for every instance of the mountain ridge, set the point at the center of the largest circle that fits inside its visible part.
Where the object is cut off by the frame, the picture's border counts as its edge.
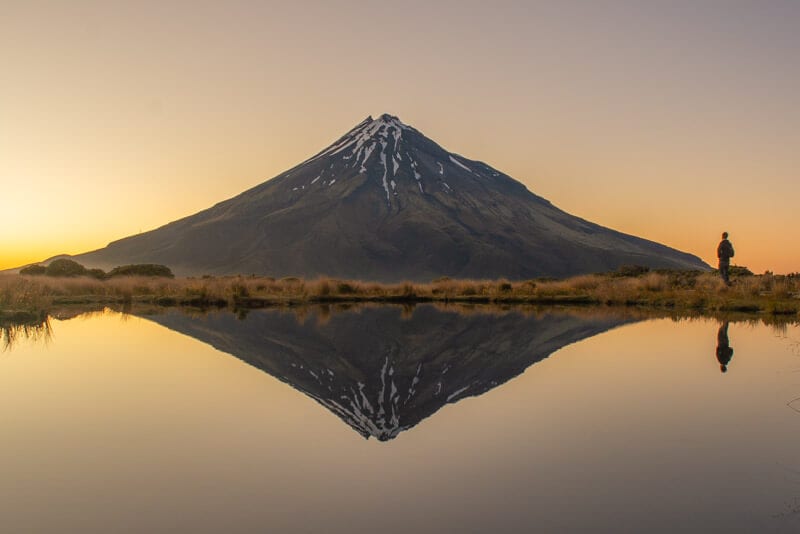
(386, 203)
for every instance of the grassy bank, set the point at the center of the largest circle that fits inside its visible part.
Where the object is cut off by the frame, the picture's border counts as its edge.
(663, 290)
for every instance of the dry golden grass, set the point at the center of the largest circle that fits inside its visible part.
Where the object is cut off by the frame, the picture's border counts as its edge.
(700, 291)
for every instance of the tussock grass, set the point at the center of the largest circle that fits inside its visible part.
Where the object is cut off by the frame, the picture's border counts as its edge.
(664, 290)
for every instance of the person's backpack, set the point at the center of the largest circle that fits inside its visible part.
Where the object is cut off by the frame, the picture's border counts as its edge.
(725, 249)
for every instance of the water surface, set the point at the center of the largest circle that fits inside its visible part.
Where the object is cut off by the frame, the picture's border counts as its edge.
(381, 418)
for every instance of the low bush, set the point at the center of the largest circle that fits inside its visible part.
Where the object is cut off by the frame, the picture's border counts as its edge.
(33, 270)
(345, 288)
(142, 269)
(97, 274)
(239, 290)
(323, 288)
(65, 267)
(631, 271)
(408, 290)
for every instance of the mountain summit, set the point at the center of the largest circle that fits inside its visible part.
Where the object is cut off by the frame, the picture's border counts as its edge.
(386, 203)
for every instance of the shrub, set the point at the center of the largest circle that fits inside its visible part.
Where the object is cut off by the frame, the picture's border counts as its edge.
(64, 267)
(469, 290)
(582, 283)
(324, 288)
(344, 288)
(653, 282)
(631, 270)
(33, 270)
(239, 290)
(740, 270)
(408, 290)
(680, 279)
(99, 274)
(142, 269)
(529, 285)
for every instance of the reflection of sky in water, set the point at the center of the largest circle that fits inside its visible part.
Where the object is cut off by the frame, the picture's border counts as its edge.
(124, 423)
(383, 369)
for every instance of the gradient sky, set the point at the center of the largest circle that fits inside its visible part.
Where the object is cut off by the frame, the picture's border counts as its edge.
(669, 120)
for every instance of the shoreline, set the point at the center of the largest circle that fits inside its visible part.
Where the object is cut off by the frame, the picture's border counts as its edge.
(692, 292)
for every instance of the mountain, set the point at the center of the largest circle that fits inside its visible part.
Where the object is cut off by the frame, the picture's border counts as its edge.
(386, 203)
(382, 371)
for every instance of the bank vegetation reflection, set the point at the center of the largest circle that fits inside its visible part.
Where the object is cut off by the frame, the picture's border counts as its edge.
(383, 368)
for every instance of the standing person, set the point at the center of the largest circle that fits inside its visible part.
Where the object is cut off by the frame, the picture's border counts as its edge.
(725, 253)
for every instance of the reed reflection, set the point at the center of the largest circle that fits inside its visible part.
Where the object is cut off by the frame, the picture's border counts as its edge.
(34, 329)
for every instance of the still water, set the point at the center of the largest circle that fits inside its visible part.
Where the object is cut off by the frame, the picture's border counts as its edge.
(384, 419)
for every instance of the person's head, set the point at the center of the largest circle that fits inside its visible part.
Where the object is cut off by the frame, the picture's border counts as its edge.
(723, 368)
(724, 235)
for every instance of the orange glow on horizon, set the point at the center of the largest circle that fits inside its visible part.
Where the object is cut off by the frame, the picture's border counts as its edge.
(122, 118)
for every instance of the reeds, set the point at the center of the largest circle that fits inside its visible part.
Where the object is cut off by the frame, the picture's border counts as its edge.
(667, 290)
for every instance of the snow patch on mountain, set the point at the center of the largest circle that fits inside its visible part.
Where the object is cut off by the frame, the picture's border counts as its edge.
(454, 160)
(457, 393)
(389, 153)
(385, 171)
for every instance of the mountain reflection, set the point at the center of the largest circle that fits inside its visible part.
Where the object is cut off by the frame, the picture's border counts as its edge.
(384, 369)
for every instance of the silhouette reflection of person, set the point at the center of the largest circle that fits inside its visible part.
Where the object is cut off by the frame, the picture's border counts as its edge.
(724, 350)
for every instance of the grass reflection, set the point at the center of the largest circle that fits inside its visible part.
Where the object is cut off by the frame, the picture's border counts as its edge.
(12, 330)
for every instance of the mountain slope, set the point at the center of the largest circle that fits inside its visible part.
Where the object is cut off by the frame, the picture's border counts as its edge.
(386, 203)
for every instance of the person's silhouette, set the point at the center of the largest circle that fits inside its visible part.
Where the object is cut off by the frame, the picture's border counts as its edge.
(725, 253)
(724, 350)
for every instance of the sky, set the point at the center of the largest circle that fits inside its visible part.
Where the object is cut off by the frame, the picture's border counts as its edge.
(669, 120)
